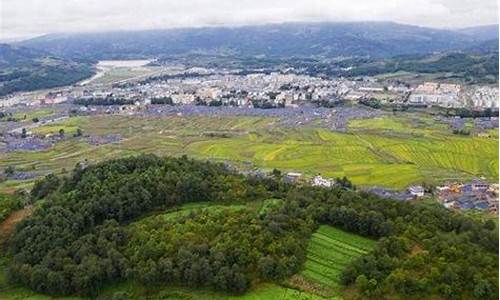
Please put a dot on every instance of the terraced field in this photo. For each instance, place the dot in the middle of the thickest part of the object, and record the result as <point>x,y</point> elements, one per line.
<point>330,250</point>
<point>366,158</point>
<point>390,152</point>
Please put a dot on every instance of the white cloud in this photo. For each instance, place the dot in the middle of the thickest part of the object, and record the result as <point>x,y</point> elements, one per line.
<point>31,17</point>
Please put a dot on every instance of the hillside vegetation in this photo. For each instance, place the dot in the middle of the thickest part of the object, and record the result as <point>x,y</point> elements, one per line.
<point>94,228</point>
<point>23,69</point>
<point>469,67</point>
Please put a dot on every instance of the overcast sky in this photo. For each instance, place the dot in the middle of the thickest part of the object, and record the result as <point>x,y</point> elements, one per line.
<point>23,18</point>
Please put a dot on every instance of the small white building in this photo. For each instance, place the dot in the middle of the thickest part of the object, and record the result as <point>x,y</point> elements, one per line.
<point>320,181</point>
<point>416,190</point>
<point>292,177</point>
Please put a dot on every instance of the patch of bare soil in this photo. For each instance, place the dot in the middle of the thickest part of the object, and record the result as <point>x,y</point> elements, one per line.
<point>8,225</point>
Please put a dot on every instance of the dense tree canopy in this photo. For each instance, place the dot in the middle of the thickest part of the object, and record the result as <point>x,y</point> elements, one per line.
<point>90,230</point>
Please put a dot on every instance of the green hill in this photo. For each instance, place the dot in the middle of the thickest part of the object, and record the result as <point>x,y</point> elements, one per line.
<point>103,226</point>
<point>23,69</point>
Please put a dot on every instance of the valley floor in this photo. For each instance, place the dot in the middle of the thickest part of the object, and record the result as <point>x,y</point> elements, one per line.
<point>390,151</point>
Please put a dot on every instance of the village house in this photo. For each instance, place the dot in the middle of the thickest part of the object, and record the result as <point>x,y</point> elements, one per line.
<point>292,177</point>
<point>320,181</point>
<point>416,191</point>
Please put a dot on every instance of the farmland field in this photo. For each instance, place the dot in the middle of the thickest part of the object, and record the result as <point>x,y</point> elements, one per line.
<point>329,251</point>
<point>391,152</point>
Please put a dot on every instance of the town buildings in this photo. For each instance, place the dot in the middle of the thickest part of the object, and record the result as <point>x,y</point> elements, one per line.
<point>432,93</point>
<point>267,90</point>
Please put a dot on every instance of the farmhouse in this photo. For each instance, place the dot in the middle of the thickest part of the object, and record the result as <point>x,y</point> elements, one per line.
<point>292,177</point>
<point>320,181</point>
<point>416,190</point>
<point>478,185</point>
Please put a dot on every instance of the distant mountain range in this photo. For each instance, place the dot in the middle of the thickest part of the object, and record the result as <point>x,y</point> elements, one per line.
<point>488,32</point>
<point>60,59</point>
<point>329,40</point>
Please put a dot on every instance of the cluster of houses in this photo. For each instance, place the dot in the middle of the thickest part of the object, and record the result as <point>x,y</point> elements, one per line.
<point>476,194</point>
<point>318,180</point>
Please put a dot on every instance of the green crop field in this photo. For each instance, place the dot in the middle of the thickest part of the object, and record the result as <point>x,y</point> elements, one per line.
<point>393,151</point>
<point>329,252</point>
<point>40,113</point>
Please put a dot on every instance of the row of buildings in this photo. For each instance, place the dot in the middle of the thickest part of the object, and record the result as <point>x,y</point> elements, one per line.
<point>454,95</point>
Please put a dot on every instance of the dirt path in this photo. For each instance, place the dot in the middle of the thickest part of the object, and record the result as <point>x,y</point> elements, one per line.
<point>7,226</point>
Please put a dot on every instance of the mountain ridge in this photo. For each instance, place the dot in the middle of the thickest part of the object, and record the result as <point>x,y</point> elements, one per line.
<point>484,32</point>
<point>300,39</point>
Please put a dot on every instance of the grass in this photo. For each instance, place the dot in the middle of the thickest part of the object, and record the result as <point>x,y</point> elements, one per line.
<point>264,291</point>
<point>394,151</point>
<point>186,209</point>
<point>131,290</point>
<point>69,126</point>
<point>329,251</point>
<point>30,114</point>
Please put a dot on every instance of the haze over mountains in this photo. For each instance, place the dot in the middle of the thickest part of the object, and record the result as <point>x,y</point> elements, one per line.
<point>372,39</point>
<point>489,32</point>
